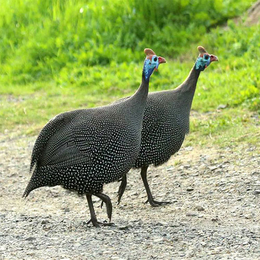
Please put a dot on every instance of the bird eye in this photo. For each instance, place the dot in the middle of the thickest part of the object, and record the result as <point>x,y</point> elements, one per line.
<point>206,56</point>
<point>155,58</point>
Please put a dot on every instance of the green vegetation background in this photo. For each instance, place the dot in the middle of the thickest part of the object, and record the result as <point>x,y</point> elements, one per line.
<point>61,55</point>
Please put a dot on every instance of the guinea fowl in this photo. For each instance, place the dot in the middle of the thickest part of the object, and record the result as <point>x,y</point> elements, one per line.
<point>165,123</point>
<point>82,150</point>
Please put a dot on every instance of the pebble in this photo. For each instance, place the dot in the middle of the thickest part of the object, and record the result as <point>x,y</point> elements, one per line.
<point>193,227</point>
<point>191,214</point>
<point>199,208</point>
<point>30,238</point>
<point>221,106</point>
<point>45,221</point>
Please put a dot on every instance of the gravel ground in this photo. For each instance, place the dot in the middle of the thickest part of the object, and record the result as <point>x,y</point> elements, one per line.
<point>214,214</point>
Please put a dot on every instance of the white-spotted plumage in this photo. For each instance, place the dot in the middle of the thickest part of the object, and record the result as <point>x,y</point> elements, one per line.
<point>83,149</point>
<point>166,122</point>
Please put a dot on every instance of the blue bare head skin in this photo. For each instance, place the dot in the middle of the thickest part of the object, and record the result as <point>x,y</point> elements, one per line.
<point>151,63</point>
<point>204,59</point>
<point>202,62</point>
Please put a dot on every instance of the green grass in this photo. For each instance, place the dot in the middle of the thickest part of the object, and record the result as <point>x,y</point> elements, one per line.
<point>41,38</point>
<point>224,128</point>
<point>63,55</point>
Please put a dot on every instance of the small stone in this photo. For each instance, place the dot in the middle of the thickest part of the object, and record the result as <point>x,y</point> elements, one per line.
<point>213,168</point>
<point>190,189</point>
<point>199,208</point>
<point>214,219</point>
<point>45,221</point>
<point>30,238</point>
<point>3,248</point>
<point>256,192</point>
<point>170,168</point>
<point>202,167</point>
<point>191,214</point>
<point>221,106</point>
<point>189,148</point>
<point>158,239</point>
<point>124,228</point>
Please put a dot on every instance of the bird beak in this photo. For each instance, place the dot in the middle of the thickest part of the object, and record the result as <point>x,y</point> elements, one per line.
<point>213,58</point>
<point>161,60</point>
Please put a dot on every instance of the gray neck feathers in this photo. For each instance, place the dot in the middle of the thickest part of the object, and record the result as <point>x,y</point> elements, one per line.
<point>138,99</point>
<point>187,89</point>
<point>189,85</point>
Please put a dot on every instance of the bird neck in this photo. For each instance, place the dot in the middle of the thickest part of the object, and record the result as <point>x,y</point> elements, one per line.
<point>140,96</point>
<point>189,85</point>
<point>186,92</point>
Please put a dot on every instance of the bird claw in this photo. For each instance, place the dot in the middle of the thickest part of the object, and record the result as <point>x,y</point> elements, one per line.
<point>119,195</point>
<point>155,203</point>
<point>98,223</point>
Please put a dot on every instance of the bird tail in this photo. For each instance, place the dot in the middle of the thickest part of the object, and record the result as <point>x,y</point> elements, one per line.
<point>28,189</point>
<point>37,180</point>
<point>31,185</point>
<point>42,176</point>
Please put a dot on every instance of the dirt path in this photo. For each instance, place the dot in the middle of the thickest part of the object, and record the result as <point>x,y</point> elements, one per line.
<point>215,212</point>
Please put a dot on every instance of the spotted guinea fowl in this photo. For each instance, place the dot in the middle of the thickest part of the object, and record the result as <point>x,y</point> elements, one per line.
<point>82,150</point>
<point>166,122</point>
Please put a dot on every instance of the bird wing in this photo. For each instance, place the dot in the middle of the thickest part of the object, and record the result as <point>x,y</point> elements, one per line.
<point>79,140</point>
<point>78,137</point>
<point>55,144</point>
<point>91,135</point>
<point>46,133</point>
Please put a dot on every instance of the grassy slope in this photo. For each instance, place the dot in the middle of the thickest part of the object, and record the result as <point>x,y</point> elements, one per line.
<point>233,82</point>
<point>31,106</point>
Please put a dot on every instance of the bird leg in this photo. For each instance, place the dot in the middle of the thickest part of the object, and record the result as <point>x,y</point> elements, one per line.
<point>152,202</point>
<point>93,217</point>
<point>121,189</point>
<point>107,200</point>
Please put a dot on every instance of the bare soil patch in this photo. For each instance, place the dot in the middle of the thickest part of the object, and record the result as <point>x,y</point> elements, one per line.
<point>253,14</point>
<point>214,212</point>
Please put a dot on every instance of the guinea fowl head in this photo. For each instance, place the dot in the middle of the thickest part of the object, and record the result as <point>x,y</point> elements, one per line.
<point>204,59</point>
<point>151,63</point>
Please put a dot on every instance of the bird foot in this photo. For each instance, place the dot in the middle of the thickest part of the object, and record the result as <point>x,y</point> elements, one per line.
<point>98,223</point>
<point>155,203</point>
